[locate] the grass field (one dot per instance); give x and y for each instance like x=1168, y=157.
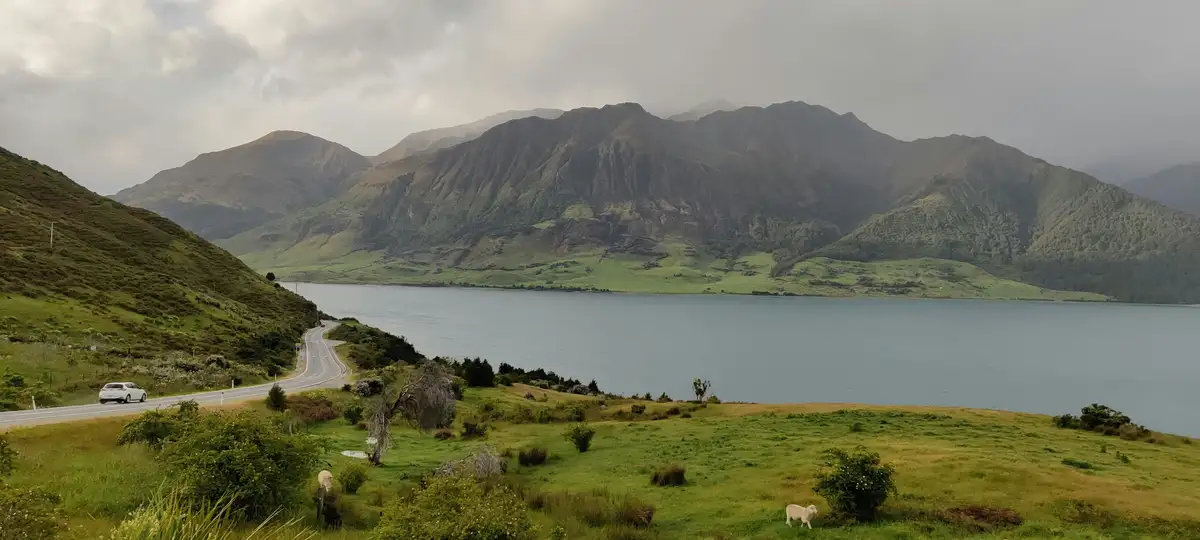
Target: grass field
x=744, y=463
x=683, y=270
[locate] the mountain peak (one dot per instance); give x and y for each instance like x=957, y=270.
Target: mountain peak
x=284, y=135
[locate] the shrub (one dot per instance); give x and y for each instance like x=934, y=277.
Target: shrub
x=1096, y=417
x=855, y=484
x=1132, y=432
x=152, y=428
x=243, y=454
x=477, y=373
x=29, y=514
x=686, y=415
x=353, y=414
x=543, y=416
x=456, y=507
x=579, y=389
x=673, y=411
x=581, y=436
x=637, y=408
x=1067, y=421
x=669, y=475
x=529, y=396
x=531, y=457
x=575, y=413
x=188, y=409
x=347, y=388
x=664, y=398
x=1078, y=464
x=856, y=427
x=277, y=399
x=472, y=430
x=443, y=435
x=714, y=400
x=311, y=409
x=352, y=477
x=8, y=456
x=1122, y=458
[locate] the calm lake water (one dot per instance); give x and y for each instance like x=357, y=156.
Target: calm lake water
x=1023, y=356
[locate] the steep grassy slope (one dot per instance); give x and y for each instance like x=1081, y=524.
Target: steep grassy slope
x=1177, y=187
x=220, y=194
x=124, y=292
x=792, y=180
x=744, y=462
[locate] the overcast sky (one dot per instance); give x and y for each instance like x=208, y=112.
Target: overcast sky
x=111, y=91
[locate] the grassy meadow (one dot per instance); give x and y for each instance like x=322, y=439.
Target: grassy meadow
x=683, y=270
x=743, y=462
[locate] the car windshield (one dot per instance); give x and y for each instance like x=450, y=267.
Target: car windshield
x=114, y=386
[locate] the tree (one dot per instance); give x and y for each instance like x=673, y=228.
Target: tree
x=270, y=276
x=700, y=388
x=277, y=399
x=593, y=387
x=425, y=401
x=242, y=459
x=855, y=484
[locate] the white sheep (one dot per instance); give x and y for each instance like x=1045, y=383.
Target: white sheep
x=325, y=481
x=802, y=513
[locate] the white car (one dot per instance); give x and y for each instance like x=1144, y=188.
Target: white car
x=123, y=392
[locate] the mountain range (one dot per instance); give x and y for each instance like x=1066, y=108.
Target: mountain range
x=1177, y=187
x=760, y=192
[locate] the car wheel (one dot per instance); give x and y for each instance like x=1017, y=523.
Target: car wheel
x=103, y=401
x=127, y=399
x=143, y=398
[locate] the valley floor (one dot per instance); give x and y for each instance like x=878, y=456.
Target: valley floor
x=682, y=271
x=744, y=462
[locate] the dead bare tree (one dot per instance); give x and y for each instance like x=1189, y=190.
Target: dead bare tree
x=425, y=401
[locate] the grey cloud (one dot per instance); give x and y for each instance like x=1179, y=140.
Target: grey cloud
x=1078, y=82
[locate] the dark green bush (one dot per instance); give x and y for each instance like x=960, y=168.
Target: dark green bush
x=664, y=398
x=637, y=408
x=456, y=507
x=574, y=413
x=714, y=400
x=855, y=484
x=674, y=411
x=277, y=399
x=8, y=456
x=669, y=475
x=543, y=416
x=581, y=436
x=353, y=414
x=856, y=427
x=242, y=454
x=532, y=457
x=152, y=428
x=474, y=430
x=352, y=477
x=476, y=373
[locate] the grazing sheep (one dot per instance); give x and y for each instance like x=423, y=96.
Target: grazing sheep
x=802, y=513
x=325, y=481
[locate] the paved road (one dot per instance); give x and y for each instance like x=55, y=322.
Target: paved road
x=321, y=369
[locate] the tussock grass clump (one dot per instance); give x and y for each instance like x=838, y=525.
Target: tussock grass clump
x=172, y=517
x=474, y=430
x=1078, y=464
x=637, y=408
x=977, y=518
x=597, y=509
x=669, y=475
x=311, y=409
x=532, y=457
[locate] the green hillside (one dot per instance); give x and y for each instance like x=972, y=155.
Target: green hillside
x=124, y=293
x=220, y=194
x=649, y=204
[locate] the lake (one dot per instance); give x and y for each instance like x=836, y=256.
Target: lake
x=1037, y=357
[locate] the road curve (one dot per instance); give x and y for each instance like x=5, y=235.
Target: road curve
x=321, y=369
